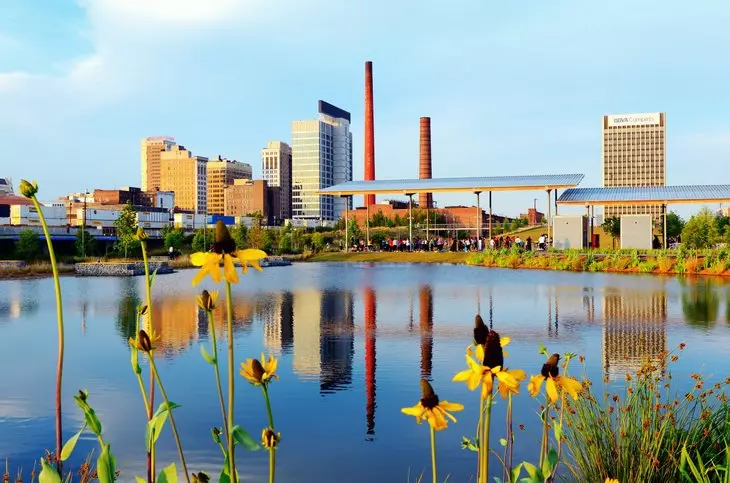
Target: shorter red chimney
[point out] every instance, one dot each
(425, 200)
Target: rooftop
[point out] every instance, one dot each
(646, 195)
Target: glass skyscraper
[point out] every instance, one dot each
(321, 157)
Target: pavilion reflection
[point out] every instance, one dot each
(634, 330)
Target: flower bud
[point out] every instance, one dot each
(270, 439)
(200, 477)
(206, 300)
(141, 234)
(145, 344)
(27, 189)
(216, 433)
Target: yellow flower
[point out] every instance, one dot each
(433, 410)
(611, 480)
(27, 189)
(488, 366)
(270, 439)
(145, 342)
(224, 250)
(258, 374)
(554, 381)
(207, 300)
(141, 235)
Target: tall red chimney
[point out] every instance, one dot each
(369, 130)
(425, 200)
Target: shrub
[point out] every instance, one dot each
(28, 247)
(691, 265)
(665, 264)
(622, 263)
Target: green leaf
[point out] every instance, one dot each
(92, 420)
(558, 430)
(155, 425)
(534, 472)
(208, 358)
(542, 349)
(516, 473)
(154, 274)
(503, 442)
(549, 464)
(69, 446)
(106, 466)
(135, 361)
(168, 475)
(163, 407)
(242, 438)
(48, 473)
(140, 480)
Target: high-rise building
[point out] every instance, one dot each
(634, 154)
(221, 173)
(321, 157)
(186, 176)
(151, 149)
(245, 196)
(277, 171)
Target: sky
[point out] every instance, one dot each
(512, 88)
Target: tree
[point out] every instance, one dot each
(700, 231)
(85, 243)
(240, 235)
(174, 238)
(126, 226)
(202, 240)
(28, 247)
(612, 227)
(256, 238)
(675, 225)
(353, 231)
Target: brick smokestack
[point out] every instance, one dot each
(425, 200)
(369, 130)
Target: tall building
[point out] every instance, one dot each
(221, 173)
(186, 176)
(634, 154)
(321, 157)
(277, 171)
(151, 149)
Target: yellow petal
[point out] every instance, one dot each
(487, 385)
(480, 353)
(552, 389)
(507, 379)
(503, 341)
(416, 410)
(505, 353)
(473, 365)
(474, 380)
(571, 386)
(462, 376)
(504, 390)
(533, 387)
(199, 259)
(230, 269)
(436, 419)
(450, 406)
(214, 270)
(251, 254)
(199, 277)
(272, 365)
(518, 374)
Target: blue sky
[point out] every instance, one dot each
(512, 87)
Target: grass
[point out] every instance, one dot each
(31, 270)
(639, 435)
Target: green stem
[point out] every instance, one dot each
(433, 453)
(231, 398)
(151, 470)
(485, 440)
(61, 337)
(479, 438)
(544, 443)
(510, 441)
(272, 450)
(172, 418)
(214, 343)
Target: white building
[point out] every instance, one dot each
(6, 186)
(276, 166)
(321, 157)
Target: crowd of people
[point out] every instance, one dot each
(441, 244)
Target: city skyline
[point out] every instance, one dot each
(73, 80)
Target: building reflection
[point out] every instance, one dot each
(324, 339)
(634, 330)
(370, 306)
(278, 319)
(700, 302)
(18, 303)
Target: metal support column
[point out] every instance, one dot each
(593, 217)
(367, 227)
(664, 215)
(549, 219)
(410, 221)
(556, 202)
(490, 215)
(479, 218)
(347, 225)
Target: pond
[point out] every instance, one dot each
(353, 342)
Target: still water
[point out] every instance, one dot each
(353, 342)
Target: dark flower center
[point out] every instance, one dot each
(429, 400)
(550, 368)
(224, 243)
(493, 355)
(257, 369)
(480, 331)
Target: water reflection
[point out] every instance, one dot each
(370, 305)
(700, 301)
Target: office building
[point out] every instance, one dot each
(246, 196)
(221, 173)
(276, 165)
(151, 149)
(321, 157)
(6, 186)
(186, 176)
(634, 154)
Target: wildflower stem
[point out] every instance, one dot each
(485, 439)
(231, 446)
(150, 407)
(433, 453)
(214, 343)
(544, 442)
(272, 450)
(510, 441)
(61, 338)
(172, 418)
(479, 438)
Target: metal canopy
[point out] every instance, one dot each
(454, 185)
(646, 195)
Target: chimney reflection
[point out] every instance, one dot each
(425, 314)
(370, 304)
(634, 330)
